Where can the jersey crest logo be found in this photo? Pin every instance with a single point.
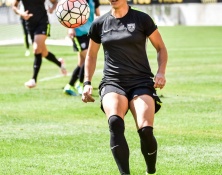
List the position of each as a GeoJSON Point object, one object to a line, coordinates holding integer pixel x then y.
{"type": "Point", "coordinates": [131, 27]}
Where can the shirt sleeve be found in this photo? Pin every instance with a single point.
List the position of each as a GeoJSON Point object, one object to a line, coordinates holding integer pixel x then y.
{"type": "Point", "coordinates": [94, 33]}
{"type": "Point", "coordinates": [149, 26]}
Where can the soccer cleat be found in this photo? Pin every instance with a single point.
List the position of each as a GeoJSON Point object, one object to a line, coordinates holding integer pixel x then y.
{"type": "Point", "coordinates": [69, 90]}
{"type": "Point", "coordinates": [79, 87]}
{"type": "Point", "coordinates": [27, 53]}
{"type": "Point", "coordinates": [30, 84]}
{"type": "Point", "coordinates": [63, 69]}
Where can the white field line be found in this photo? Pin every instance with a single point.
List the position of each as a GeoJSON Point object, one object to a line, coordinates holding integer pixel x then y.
{"type": "Point", "coordinates": [59, 76]}
{"type": "Point", "coordinates": [195, 48]}
{"type": "Point", "coordinates": [58, 42]}
{"type": "Point", "coordinates": [67, 42]}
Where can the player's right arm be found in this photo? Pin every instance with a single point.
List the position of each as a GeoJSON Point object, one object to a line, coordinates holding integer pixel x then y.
{"type": "Point", "coordinates": [54, 4]}
{"type": "Point", "coordinates": [24, 14]}
{"type": "Point", "coordinates": [71, 33]}
{"type": "Point", "coordinates": [90, 66]}
{"type": "Point", "coordinates": [97, 10]}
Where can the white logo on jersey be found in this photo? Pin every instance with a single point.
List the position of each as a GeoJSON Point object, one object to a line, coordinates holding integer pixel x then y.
{"type": "Point", "coordinates": [106, 31]}
{"type": "Point", "coordinates": [131, 27]}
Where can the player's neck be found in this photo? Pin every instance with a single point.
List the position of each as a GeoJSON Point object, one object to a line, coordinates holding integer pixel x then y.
{"type": "Point", "coordinates": [121, 11]}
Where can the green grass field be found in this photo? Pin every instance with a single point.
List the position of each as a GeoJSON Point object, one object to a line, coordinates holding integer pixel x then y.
{"type": "Point", "coordinates": [44, 132]}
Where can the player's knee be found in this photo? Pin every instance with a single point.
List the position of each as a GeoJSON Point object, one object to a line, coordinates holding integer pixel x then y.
{"type": "Point", "coordinates": [146, 133]}
{"type": "Point", "coordinates": [116, 124]}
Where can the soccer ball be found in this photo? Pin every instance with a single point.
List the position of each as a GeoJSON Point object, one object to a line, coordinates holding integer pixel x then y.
{"type": "Point", "coordinates": [72, 13]}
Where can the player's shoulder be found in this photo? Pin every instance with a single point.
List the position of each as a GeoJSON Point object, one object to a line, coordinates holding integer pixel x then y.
{"type": "Point", "coordinates": [140, 15]}
{"type": "Point", "coordinates": [137, 11]}
{"type": "Point", "coordinates": [103, 17]}
{"type": "Point", "coordinates": [100, 20]}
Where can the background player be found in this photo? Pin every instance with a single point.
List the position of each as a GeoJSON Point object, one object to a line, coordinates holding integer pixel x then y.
{"type": "Point", "coordinates": [37, 23]}
{"type": "Point", "coordinates": [80, 44]}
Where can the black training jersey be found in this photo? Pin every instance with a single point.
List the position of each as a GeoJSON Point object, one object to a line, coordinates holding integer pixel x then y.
{"type": "Point", "coordinates": [37, 8]}
{"type": "Point", "coordinates": [124, 43]}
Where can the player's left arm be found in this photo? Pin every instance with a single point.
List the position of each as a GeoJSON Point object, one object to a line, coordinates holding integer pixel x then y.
{"type": "Point", "coordinates": [162, 57]}
{"type": "Point", "coordinates": [53, 7]}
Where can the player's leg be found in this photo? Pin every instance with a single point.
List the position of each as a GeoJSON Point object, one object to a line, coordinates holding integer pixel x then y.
{"type": "Point", "coordinates": [84, 43]}
{"type": "Point", "coordinates": [37, 50]}
{"type": "Point", "coordinates": [38, 47]}
{"type": "Point", "coordinates": [45, 28]}
{"type": "Point", "coordinates": [51, 57]}
{"type": "Point", "coordinates": [77, 47]}
{"type": "Point", "coordinates": [84, 47]}
{"type": "Point", "coordinates": [115, 106]}
{"type": "Point", "coordinates": [143, 109]}
{"type": "Point", "coordinates": [75, 74]}
{"type": "Point", "coordinates": [69, 88]}
{"type": "Point", "coordinates": [81, 72]}
{"type": "Point", "coordinates": [80, 44]}
{"type": "Point", "coordinates": [26, 38]}
{"type": "Point", "coordinates": [79, 83]}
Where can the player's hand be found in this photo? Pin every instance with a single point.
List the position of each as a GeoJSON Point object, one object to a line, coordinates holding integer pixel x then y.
{"type": "Point", "coordinates": [71, 33]}
{"type": "Point", "coordinates": [50, 10]}
{"type": "Point", "coordinates": [87, 94]}
{"type": "Point", "coordinates": [26, 15]}
{"type": "Point", "coordinates": [159, 80]}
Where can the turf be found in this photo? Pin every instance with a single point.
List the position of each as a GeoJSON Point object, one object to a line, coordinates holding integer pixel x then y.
{"type": "Point", "coordinates": [43, 131]}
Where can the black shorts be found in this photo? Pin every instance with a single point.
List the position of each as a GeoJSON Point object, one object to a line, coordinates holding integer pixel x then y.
{"type": "Point", "coordinates": [80, 43]}
{"type": "Point", "coordinates": [130, 93]}
{"type": "Point", "coordinates": [41, 28]}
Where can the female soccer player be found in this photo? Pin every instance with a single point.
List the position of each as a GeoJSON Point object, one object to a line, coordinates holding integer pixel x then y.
{"type": "Point", "coordinates": [38, 26]}
{"type": "Point", "coordinates": [128, 83]}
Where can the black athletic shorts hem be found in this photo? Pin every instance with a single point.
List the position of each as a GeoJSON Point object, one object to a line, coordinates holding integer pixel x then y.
{"type": "Point", "coordinates": [130, 93]}
{"type": "Point", "coordinates": [80, 43]}
{"type": "Point", "coordinates": [41, 29]}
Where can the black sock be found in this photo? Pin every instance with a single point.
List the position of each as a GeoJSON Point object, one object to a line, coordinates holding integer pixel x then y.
{"type": "Point", "coordinates": [81, 74]}
{"type": "Point", "coordinates": [51, 57]}
{"type": "Point", "coordinates": [74, 76]}
{"type": "Point", "coordinates": [118, 144]}
{"type": "Point", "coordinates": [36, 66]}
{"type": "Point", "coordinates": [26, 39]}
{"type": "Point", "coordinates": [148, 148]}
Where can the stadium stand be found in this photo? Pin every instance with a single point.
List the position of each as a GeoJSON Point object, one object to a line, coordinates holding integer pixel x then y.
{"type": "Point", "coordinates": [165, 13]}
